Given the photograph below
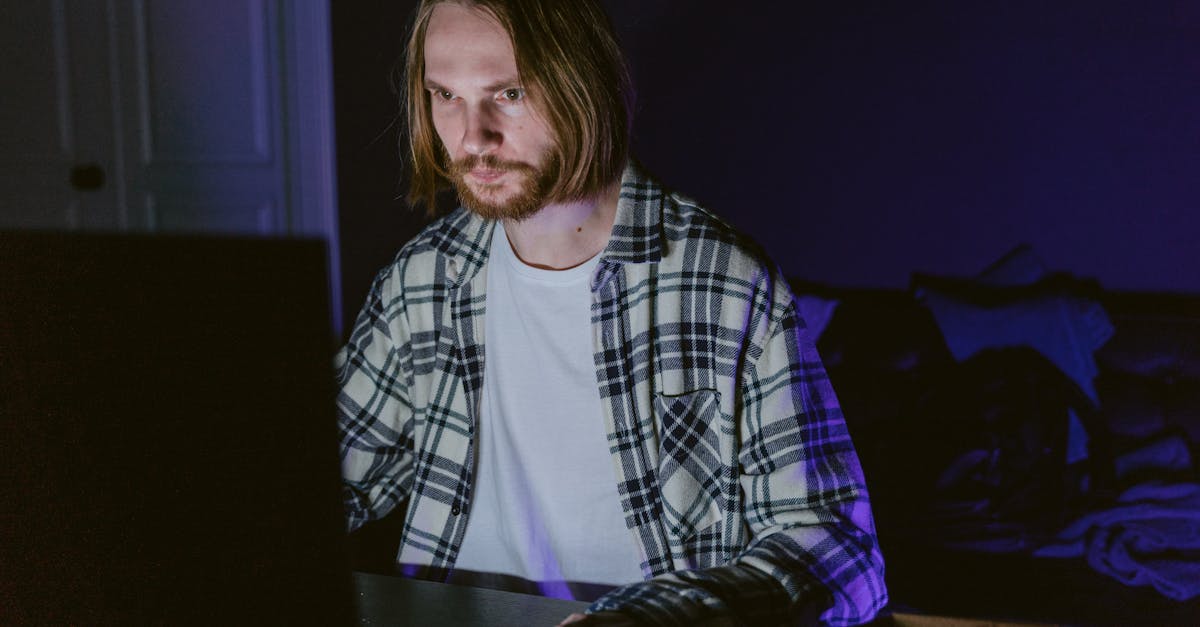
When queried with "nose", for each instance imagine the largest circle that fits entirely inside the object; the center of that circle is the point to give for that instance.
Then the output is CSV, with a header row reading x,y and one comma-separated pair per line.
x,y
481,134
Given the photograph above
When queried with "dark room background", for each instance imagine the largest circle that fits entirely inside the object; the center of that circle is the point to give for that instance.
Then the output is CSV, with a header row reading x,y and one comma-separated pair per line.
x,y
863,141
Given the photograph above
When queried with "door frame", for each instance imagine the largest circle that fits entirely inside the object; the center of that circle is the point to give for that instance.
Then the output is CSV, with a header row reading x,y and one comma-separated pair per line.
x,y
312,177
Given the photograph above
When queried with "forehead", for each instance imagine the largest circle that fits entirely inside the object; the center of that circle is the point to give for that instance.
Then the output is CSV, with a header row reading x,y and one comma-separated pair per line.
x,y
465,44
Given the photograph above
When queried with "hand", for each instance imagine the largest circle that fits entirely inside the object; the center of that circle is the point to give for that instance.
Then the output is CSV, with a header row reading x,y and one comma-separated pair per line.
x,y
599,619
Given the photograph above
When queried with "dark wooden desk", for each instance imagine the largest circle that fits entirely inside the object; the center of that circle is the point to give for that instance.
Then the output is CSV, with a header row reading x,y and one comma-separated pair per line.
x,y
395,601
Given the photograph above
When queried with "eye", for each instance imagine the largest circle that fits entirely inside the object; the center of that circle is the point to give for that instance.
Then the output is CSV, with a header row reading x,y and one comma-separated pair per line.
x,y
442,95
513,94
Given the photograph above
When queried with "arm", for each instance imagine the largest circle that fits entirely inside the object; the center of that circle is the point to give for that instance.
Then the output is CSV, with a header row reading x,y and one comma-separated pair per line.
x,y
805,497
374,413
813,550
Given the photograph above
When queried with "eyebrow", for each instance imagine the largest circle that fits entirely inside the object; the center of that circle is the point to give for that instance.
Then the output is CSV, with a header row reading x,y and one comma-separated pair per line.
x,y
497,86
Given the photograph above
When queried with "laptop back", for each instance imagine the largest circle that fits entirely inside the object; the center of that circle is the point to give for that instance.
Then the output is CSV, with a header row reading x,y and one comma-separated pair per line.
x,y
167,433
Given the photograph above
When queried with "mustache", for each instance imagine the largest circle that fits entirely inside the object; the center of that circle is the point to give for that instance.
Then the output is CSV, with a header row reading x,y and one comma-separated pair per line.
x,y
489,162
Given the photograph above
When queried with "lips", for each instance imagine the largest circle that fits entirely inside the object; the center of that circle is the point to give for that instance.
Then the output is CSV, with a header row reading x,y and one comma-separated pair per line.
x,y
485,175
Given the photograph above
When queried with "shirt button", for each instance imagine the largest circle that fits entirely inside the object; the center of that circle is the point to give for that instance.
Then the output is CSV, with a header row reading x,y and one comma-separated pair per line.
x,y
455,511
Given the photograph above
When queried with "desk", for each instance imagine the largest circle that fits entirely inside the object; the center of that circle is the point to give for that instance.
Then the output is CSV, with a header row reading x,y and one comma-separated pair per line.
x,y
395,601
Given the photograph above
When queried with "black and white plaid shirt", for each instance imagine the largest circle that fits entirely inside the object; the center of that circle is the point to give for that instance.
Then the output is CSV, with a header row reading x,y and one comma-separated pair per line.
x,y
737,475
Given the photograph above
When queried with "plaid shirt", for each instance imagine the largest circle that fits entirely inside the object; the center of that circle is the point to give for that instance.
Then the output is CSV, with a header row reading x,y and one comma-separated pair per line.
x,y
733,463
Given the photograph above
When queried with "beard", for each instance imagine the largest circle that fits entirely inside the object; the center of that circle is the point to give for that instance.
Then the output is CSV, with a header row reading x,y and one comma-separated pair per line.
x,y
533,186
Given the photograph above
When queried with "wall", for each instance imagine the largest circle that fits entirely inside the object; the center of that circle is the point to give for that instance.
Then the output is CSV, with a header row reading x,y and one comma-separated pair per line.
x,y
862,141
374,222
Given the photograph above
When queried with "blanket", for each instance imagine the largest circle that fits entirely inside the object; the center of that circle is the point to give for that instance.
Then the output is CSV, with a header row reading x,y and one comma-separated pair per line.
x,y
1149,536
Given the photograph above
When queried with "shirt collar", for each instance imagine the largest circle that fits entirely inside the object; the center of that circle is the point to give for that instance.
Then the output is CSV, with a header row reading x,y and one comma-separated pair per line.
x,y
637,235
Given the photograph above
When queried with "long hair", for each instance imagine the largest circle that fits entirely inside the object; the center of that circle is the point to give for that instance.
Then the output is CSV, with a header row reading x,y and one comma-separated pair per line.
x,y
570,63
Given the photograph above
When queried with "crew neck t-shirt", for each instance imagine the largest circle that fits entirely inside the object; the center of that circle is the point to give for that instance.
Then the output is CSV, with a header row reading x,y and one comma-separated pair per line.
x,y
545,516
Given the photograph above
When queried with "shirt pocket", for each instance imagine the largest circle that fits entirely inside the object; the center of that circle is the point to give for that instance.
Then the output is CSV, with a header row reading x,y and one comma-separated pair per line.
x,y
691,476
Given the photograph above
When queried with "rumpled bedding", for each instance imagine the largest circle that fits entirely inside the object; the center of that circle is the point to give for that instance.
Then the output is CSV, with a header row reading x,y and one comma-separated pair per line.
x,y
1151,536
1148,535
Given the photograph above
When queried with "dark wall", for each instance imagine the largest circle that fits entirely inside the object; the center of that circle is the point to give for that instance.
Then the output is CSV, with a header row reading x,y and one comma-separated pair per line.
x,y
862,141
368,38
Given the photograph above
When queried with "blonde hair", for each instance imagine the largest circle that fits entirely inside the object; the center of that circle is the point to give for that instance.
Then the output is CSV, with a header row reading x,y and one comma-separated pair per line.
x,y
570,63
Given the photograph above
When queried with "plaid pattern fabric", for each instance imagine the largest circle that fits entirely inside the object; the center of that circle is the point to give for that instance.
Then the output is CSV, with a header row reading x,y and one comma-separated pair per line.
x,y
734,466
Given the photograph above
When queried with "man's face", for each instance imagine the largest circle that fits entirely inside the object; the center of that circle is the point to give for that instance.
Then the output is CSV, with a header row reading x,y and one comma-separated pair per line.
x,y
497,143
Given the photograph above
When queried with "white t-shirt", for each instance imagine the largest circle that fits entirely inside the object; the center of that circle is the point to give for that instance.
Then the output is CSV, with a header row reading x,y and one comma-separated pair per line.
x,y
545,506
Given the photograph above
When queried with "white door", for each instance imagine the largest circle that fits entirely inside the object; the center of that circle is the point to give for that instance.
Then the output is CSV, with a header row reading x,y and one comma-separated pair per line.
x,y
207,116
56,115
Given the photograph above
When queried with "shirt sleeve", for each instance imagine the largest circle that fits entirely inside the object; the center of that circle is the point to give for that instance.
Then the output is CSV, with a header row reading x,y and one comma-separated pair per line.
x,y
813,555
374,413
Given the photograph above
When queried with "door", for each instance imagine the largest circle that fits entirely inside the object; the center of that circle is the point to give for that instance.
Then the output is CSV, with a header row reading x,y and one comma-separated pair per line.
x,y
168,116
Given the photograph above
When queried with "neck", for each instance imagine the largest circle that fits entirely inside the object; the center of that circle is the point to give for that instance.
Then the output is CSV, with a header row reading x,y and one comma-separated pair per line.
x,y
564,235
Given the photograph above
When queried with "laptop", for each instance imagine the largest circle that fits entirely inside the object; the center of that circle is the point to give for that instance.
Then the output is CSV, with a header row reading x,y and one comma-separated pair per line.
x,y
168,448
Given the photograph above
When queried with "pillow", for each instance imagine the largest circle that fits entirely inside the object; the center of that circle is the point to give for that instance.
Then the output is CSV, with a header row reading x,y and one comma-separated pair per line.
x,y
986,312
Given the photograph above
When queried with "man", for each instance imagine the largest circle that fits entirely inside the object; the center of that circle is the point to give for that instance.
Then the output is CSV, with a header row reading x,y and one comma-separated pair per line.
x,y
580,384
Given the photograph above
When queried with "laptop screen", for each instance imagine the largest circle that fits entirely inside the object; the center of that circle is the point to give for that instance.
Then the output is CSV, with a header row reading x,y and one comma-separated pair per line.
x,y
167,432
